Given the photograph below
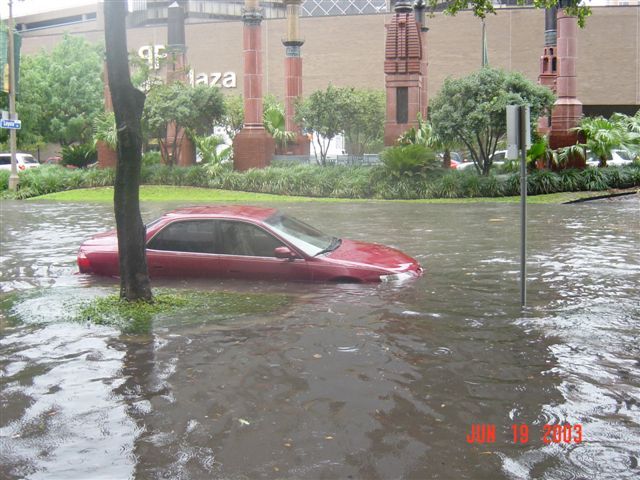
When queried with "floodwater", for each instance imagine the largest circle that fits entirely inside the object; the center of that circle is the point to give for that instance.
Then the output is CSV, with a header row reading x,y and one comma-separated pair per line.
x,y
349,381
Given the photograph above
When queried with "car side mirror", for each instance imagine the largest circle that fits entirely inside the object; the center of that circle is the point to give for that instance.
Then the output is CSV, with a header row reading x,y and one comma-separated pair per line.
x,y
285,253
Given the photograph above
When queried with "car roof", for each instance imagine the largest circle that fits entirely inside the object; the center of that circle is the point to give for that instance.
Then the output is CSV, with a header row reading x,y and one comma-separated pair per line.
x,y
217,211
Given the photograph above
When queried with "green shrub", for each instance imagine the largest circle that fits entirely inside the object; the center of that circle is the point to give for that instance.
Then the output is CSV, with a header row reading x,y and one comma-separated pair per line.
x,y
448,186
4,179
543,181
569,180
489,186
511,186
593,179
79,155
151,158
409,160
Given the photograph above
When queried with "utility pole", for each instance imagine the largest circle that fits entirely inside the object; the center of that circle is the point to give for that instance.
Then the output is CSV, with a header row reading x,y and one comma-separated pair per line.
x,y
13,177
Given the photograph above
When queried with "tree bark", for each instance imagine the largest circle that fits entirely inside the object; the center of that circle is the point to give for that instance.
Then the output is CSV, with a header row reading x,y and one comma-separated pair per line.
x,y
128,103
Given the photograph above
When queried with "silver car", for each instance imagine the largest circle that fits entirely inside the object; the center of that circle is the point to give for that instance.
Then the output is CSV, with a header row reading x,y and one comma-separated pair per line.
x,y
23,161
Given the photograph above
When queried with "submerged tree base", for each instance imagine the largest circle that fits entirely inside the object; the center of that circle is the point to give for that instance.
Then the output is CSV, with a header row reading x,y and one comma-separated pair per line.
x,y
139,316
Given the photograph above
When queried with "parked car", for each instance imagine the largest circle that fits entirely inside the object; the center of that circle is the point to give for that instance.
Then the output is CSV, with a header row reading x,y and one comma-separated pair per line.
x,y
498,159
618,158
23,161
249,242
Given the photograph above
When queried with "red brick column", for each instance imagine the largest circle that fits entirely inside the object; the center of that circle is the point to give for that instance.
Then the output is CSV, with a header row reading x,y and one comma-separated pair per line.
x,y
567,110
403,69
548,62
253,147
107,156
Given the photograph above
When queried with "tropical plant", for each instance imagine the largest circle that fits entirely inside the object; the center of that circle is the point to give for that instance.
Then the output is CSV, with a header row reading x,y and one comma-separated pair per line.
x,y
602,136
79,155
425,135
409,160
471,110
275,123
104,129
215,153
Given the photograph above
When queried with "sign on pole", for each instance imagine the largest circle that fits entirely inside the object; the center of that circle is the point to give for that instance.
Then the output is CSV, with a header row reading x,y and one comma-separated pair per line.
x,y
10,124
519,139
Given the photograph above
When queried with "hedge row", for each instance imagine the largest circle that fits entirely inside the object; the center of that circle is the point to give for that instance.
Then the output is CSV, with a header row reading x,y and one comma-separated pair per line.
x,y
334,182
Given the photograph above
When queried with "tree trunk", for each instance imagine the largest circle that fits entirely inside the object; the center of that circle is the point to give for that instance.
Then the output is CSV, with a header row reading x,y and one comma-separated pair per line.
x,y
128,103
446,159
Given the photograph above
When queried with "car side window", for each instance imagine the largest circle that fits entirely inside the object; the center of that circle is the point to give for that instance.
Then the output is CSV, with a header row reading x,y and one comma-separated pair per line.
x,y
5,160
240,238
196,236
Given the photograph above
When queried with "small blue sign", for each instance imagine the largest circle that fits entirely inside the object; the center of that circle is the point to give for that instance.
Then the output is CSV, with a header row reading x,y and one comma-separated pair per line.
x,y
11,124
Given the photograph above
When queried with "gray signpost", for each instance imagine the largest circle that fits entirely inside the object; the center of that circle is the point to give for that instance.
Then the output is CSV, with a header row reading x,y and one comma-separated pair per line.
x,y
519,139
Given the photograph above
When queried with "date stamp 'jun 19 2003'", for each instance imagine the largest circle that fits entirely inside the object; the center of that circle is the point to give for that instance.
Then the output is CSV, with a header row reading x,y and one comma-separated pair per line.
x,y
521,433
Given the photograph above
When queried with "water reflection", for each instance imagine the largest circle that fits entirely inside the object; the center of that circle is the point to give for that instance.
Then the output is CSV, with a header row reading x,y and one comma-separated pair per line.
x,y
352,381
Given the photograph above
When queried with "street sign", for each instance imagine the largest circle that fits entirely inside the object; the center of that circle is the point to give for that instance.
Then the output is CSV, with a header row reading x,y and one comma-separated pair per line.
x,y
11,124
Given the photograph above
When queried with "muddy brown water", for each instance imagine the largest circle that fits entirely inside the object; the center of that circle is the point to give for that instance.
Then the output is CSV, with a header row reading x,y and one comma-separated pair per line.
x,y
350,381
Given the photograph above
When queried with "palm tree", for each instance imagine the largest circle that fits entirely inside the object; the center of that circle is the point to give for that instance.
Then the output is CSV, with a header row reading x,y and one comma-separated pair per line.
x,y
602,136
274,123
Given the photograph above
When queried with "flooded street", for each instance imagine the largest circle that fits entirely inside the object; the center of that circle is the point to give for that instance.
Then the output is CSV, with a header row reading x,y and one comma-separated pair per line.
x,y
373,382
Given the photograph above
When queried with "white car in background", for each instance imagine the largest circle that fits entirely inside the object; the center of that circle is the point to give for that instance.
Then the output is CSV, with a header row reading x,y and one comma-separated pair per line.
x,y
618,158
23,161
498,159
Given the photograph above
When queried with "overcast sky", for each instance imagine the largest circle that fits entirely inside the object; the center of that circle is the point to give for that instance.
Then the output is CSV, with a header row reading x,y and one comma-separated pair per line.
x,y
27,7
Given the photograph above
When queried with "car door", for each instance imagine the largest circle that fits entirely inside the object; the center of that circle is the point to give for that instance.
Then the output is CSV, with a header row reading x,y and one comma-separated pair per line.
x,y
184,248
248,251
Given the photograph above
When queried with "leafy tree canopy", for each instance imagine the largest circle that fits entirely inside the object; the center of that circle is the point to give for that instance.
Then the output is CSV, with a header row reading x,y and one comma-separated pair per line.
x,y
471,109
61,92
359,114
365,129
192,108
233,118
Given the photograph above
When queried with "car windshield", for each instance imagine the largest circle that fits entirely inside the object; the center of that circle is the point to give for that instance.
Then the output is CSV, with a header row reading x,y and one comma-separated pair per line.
x,y
624,155
28,159
299,234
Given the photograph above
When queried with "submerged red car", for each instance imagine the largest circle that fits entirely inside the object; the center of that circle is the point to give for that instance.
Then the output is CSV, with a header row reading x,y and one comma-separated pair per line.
x,y
249,242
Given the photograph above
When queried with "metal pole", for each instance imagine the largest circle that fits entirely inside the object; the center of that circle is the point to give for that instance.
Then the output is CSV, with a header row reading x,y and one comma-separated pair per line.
x,y
13,177
523,203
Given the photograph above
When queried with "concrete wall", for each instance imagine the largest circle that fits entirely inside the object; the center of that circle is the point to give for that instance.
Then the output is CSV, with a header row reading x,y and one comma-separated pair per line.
x,y
350,50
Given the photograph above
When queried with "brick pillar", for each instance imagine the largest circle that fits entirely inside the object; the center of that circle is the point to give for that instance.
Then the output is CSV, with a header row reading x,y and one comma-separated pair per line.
x,y
253,147
567,111
548,62
107,156
177,72
293,78
420,7
403,72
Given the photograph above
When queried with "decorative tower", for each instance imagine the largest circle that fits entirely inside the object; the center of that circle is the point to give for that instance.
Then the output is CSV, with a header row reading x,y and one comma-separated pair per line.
x,y
403,68
549,62
185,153
107,156
567,110
253,147
293,77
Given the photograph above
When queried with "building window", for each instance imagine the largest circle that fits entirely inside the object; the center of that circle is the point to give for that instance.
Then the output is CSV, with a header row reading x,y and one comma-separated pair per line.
x,y
402,105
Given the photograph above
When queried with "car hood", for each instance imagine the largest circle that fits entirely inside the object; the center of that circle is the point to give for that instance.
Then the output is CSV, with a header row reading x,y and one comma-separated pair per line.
x,y
373,255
